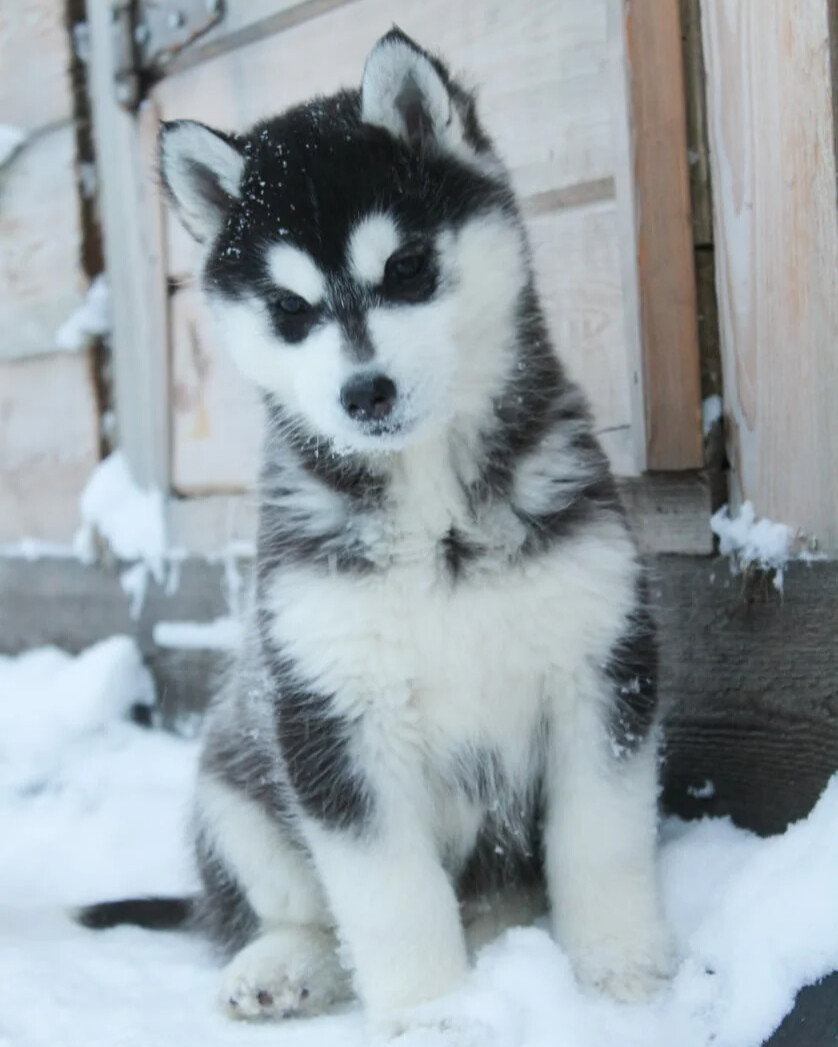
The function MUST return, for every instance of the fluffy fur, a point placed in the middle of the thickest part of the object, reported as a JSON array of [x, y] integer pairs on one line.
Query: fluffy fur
[[447, 691]]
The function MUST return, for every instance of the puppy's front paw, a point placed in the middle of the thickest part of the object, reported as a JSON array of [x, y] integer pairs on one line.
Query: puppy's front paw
[[288, 973], [629, 973]]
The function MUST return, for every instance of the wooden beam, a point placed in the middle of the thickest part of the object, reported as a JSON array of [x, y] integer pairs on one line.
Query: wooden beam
[[771, 121], [663, 234], [132, 226]]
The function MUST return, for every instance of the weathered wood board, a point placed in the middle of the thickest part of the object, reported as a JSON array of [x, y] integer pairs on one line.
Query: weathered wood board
[[34, 64], [49, 443], [41, 282], [663, 229], [770, 112]]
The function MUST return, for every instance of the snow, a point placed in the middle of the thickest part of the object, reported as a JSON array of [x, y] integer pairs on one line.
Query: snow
[[91, 320], [93, 806], [221, 634], [711, 412], [11, 139], [130, 519], [751, 542]]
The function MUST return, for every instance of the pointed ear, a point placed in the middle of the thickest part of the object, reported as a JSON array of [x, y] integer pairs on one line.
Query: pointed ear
[[202, 172], [409, 94]]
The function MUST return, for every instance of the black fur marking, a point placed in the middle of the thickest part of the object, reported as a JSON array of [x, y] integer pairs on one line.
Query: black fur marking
[[155, 914], [222, 911], [309, 175], [315, 746], [633, 670], [458, 552], [505, 853]]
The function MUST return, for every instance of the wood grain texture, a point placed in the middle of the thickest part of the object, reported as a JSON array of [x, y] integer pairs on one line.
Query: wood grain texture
[[40, 244], [131, 218], [770, 109], [667, 297], [34, 64], [49, 444]]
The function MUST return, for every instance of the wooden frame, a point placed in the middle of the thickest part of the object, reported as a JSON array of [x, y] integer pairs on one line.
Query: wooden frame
[[662, 215]]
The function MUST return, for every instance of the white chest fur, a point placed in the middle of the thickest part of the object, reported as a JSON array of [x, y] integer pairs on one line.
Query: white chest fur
[[462, 664]]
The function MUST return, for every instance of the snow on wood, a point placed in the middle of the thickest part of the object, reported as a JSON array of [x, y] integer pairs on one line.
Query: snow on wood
[[221, 634], [94, 807], [128, 518], [91, 320]]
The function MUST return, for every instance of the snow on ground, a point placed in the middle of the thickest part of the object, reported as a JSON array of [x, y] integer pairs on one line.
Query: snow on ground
[[93, 806]]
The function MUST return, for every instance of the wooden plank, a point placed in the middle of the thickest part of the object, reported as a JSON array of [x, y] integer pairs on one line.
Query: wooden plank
[[667, 297], [216, 413], [577, 261], [131, 218], [542, 68], [669, 512], [35, 60], [40, 244], [770, 107], [49, 443]]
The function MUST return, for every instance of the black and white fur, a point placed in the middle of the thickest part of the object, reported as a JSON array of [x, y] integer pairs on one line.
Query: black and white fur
[[446, 696]]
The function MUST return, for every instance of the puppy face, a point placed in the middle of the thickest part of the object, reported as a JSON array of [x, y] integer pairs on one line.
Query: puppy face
[[363, 254]]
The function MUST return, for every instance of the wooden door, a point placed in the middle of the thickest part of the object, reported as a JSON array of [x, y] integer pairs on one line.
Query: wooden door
[[557, 96]]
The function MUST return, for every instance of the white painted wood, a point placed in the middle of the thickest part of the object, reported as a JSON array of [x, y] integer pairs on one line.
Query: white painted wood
[[776, 231], [131, 216], [577, 256], [216, 414], [49, 443], [41, 282], [34, 64]]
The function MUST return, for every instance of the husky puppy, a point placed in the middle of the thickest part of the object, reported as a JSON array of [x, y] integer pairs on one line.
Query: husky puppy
[[447, 690]]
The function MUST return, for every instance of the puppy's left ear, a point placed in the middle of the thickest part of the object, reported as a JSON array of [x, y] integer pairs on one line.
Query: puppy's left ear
[[410, 94]]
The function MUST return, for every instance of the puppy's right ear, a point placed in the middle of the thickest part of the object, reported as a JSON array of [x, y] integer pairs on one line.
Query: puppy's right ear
[[202, 171]]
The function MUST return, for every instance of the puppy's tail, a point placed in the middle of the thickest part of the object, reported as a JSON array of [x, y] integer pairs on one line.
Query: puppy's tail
[[155, 914]]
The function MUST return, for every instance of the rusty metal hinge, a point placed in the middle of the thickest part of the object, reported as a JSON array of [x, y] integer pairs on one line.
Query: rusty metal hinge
[[148, 34]]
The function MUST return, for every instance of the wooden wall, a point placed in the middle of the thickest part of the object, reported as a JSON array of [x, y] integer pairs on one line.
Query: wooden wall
[[48, 412], [770, 115]]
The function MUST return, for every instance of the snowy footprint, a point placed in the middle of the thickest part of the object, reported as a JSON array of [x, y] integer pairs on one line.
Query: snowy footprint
[[289, 972]]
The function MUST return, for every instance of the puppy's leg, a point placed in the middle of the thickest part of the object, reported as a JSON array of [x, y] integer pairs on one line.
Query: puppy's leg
[[601, 853], [290, 967], [396, 912]]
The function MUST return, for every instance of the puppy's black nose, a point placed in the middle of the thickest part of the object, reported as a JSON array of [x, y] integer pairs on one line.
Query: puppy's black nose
[[368, 397]]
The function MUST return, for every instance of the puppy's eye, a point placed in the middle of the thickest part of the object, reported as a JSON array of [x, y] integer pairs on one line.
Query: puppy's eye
[[292, 304], [406, 266]]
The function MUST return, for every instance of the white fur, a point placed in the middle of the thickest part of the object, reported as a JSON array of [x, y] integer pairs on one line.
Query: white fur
[[390, 65], [419, 662], [278, 880], [396, 911], [286, 972], [447, 357], [601, 859], [293, 270], [371, 243], [185, 144]]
